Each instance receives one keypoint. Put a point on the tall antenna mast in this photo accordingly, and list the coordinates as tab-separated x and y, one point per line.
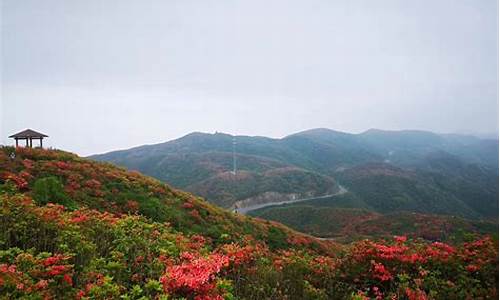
234	156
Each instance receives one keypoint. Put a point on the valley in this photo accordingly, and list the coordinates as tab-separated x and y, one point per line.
380	172
245	206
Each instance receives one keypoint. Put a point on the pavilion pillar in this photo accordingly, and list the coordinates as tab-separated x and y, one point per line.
31	142
27	144
41	142
17	142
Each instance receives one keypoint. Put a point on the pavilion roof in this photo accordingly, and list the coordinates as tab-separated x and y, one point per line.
28	133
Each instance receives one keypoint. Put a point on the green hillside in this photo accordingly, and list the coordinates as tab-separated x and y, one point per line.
386	188
325	222
351	224
64	178
386	170
72	228
384	200
225	189
200	163
409	147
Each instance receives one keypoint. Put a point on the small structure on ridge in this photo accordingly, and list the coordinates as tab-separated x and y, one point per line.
29	135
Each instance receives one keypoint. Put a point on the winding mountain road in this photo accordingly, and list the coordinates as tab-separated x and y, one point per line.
245	210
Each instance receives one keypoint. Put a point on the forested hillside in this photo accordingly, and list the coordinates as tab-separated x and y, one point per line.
72	228
386	170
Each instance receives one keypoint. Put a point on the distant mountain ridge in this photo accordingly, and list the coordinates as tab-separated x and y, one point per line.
407	170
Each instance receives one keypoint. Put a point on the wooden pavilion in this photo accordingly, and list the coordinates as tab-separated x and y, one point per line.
29	135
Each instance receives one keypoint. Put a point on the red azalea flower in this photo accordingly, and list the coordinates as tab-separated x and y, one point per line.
68	279
380	272
42	284
472	268
400	239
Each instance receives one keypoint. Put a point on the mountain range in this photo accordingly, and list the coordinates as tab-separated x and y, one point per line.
383	172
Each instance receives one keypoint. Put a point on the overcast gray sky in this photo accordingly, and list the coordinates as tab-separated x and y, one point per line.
100	75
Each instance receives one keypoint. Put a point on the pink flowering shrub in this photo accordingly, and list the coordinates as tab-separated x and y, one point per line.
131	237
195	276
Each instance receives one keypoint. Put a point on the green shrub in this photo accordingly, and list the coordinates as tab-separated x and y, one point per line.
50	189
153	208
277	238
8	188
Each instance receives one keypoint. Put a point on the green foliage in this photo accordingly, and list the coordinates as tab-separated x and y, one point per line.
50	189
61	178
110	248
8	188
386	189
225	189
385	171
153	208
348	224
315	220
277	238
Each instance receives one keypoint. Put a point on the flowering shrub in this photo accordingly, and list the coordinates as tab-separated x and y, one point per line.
132	206
20	181
188	205
23	274
240	255
138	239
195	276
423	270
